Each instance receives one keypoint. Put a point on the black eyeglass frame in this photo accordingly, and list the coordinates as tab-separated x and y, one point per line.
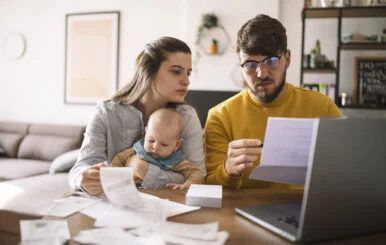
264	61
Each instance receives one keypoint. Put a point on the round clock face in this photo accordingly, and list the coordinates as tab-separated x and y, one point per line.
14	45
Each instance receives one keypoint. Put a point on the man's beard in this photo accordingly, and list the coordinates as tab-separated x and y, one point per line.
264	98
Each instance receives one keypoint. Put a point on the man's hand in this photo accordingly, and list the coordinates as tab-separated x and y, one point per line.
91	179
241	155
174	186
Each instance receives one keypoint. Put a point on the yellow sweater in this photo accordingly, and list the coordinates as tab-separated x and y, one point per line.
244	117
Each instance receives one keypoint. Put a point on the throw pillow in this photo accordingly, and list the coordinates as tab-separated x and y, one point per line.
64	162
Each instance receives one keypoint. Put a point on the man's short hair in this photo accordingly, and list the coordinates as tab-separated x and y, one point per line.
262	35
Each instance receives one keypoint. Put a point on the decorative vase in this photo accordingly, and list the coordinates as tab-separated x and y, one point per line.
214	47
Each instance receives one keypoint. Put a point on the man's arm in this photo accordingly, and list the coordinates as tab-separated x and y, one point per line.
227	158
333	110
216	142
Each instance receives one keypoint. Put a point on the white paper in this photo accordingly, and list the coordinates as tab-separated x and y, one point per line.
45	241
187	234
43	231
222	236
212	191
107	236
175	208
287	142
67	206
98	210
287	150
153	211
193	231
103	208
119	187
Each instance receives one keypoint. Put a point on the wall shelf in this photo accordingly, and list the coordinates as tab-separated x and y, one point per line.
340	14
358	106
347	12
363	46
320	70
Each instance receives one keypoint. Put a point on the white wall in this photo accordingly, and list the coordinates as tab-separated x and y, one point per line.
32	88
223	72
290	16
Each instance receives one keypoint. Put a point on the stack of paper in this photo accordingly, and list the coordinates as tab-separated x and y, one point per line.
187	234
204	196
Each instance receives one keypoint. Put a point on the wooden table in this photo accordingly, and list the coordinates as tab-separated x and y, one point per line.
241	230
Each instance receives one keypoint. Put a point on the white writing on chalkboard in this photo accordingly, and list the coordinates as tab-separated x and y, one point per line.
371	80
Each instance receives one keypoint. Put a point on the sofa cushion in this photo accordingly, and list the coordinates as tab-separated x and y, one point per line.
31	195
13	127
10	143
11	134
71	131
45	147
11	168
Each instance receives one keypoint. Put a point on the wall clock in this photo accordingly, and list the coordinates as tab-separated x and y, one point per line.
14	45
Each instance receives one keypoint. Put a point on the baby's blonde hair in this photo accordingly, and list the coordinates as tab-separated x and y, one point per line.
169	117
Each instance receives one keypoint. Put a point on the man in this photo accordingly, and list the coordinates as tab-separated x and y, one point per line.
236	127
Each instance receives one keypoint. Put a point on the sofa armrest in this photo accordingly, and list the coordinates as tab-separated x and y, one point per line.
64	162
2	151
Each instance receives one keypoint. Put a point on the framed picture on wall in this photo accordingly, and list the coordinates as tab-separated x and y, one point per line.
370	80
91	56
380	2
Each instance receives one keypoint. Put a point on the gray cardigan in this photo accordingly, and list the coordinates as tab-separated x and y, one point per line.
116	126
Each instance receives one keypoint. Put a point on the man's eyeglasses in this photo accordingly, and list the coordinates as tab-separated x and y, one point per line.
252	66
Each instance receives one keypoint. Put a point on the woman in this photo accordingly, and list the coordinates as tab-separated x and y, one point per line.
161	79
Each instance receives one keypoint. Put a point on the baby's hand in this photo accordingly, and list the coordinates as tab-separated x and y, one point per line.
178	186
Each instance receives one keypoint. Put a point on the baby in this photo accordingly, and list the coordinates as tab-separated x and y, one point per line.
160	147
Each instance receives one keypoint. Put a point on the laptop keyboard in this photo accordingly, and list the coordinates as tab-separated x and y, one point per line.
290	220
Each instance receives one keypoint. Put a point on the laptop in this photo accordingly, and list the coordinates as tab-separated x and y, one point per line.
345	185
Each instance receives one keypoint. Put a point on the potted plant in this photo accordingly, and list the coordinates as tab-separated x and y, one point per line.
208	21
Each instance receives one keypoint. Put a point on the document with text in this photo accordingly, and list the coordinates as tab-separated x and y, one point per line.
287	150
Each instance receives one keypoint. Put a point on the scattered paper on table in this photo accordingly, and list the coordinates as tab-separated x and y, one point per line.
44	231
107	236
187	234
194	231
67	206
123	217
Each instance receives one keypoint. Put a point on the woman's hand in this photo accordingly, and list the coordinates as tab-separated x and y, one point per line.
91	179
139	167
241	155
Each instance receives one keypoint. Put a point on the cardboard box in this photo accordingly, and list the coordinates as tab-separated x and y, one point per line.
204	196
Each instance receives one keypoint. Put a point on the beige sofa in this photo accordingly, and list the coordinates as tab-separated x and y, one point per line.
34	161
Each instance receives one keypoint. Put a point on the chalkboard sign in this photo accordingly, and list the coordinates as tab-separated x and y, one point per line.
370	85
